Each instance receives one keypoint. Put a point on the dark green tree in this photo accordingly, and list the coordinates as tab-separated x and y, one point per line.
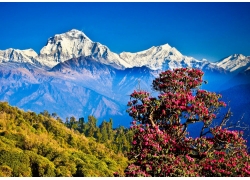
67	122
54	114
73	123
91	126
98	135
104	131
81	125
46	113
110	130
59	119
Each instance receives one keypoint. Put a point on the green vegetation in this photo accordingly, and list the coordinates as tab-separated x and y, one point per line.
40	145
118	139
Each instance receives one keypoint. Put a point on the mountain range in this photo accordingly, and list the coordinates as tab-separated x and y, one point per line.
74	76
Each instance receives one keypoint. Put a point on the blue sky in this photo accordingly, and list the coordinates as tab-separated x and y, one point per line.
202	30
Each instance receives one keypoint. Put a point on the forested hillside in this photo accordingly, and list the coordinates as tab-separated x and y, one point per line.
41	145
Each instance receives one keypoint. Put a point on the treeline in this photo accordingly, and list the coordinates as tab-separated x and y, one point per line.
39	145
118	139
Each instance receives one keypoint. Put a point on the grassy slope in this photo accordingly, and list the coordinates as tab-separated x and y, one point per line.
35	145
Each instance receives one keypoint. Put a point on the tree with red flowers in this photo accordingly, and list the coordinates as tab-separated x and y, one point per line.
161	144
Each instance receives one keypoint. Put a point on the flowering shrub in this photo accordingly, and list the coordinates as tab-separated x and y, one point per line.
161	145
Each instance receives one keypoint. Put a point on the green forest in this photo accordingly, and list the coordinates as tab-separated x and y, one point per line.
40	145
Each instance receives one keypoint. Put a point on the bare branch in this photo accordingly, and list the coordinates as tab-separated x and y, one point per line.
151	118
226	118
205	133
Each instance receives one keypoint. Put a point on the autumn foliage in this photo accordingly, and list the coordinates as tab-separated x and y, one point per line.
161	144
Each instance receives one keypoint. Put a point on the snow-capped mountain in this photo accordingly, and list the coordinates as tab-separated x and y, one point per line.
235	63
161	57
75	43
16	55
74	76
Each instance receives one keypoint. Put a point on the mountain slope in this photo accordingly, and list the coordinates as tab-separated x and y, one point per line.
73	71
74	44
89	86
235	63
161	57
39	90
19	56
40	146
104	79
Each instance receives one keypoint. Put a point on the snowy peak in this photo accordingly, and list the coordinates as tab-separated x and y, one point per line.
30	53
235	63
74	33
152	57
16	55
65	46
160	57
73	44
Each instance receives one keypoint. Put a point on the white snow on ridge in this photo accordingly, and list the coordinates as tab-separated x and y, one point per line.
66	46
152	57
16	55
159	57
30	53
235	62
75	43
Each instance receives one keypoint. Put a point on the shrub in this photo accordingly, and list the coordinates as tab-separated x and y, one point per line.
161	144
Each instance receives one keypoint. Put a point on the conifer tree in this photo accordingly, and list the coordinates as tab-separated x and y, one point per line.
104	131
81	124
73	123
91	126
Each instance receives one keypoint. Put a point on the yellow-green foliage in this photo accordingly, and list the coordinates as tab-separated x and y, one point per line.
37	145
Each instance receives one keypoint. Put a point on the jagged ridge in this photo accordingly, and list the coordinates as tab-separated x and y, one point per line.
75	43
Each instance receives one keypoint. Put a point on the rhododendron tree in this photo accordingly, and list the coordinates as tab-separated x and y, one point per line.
161	144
